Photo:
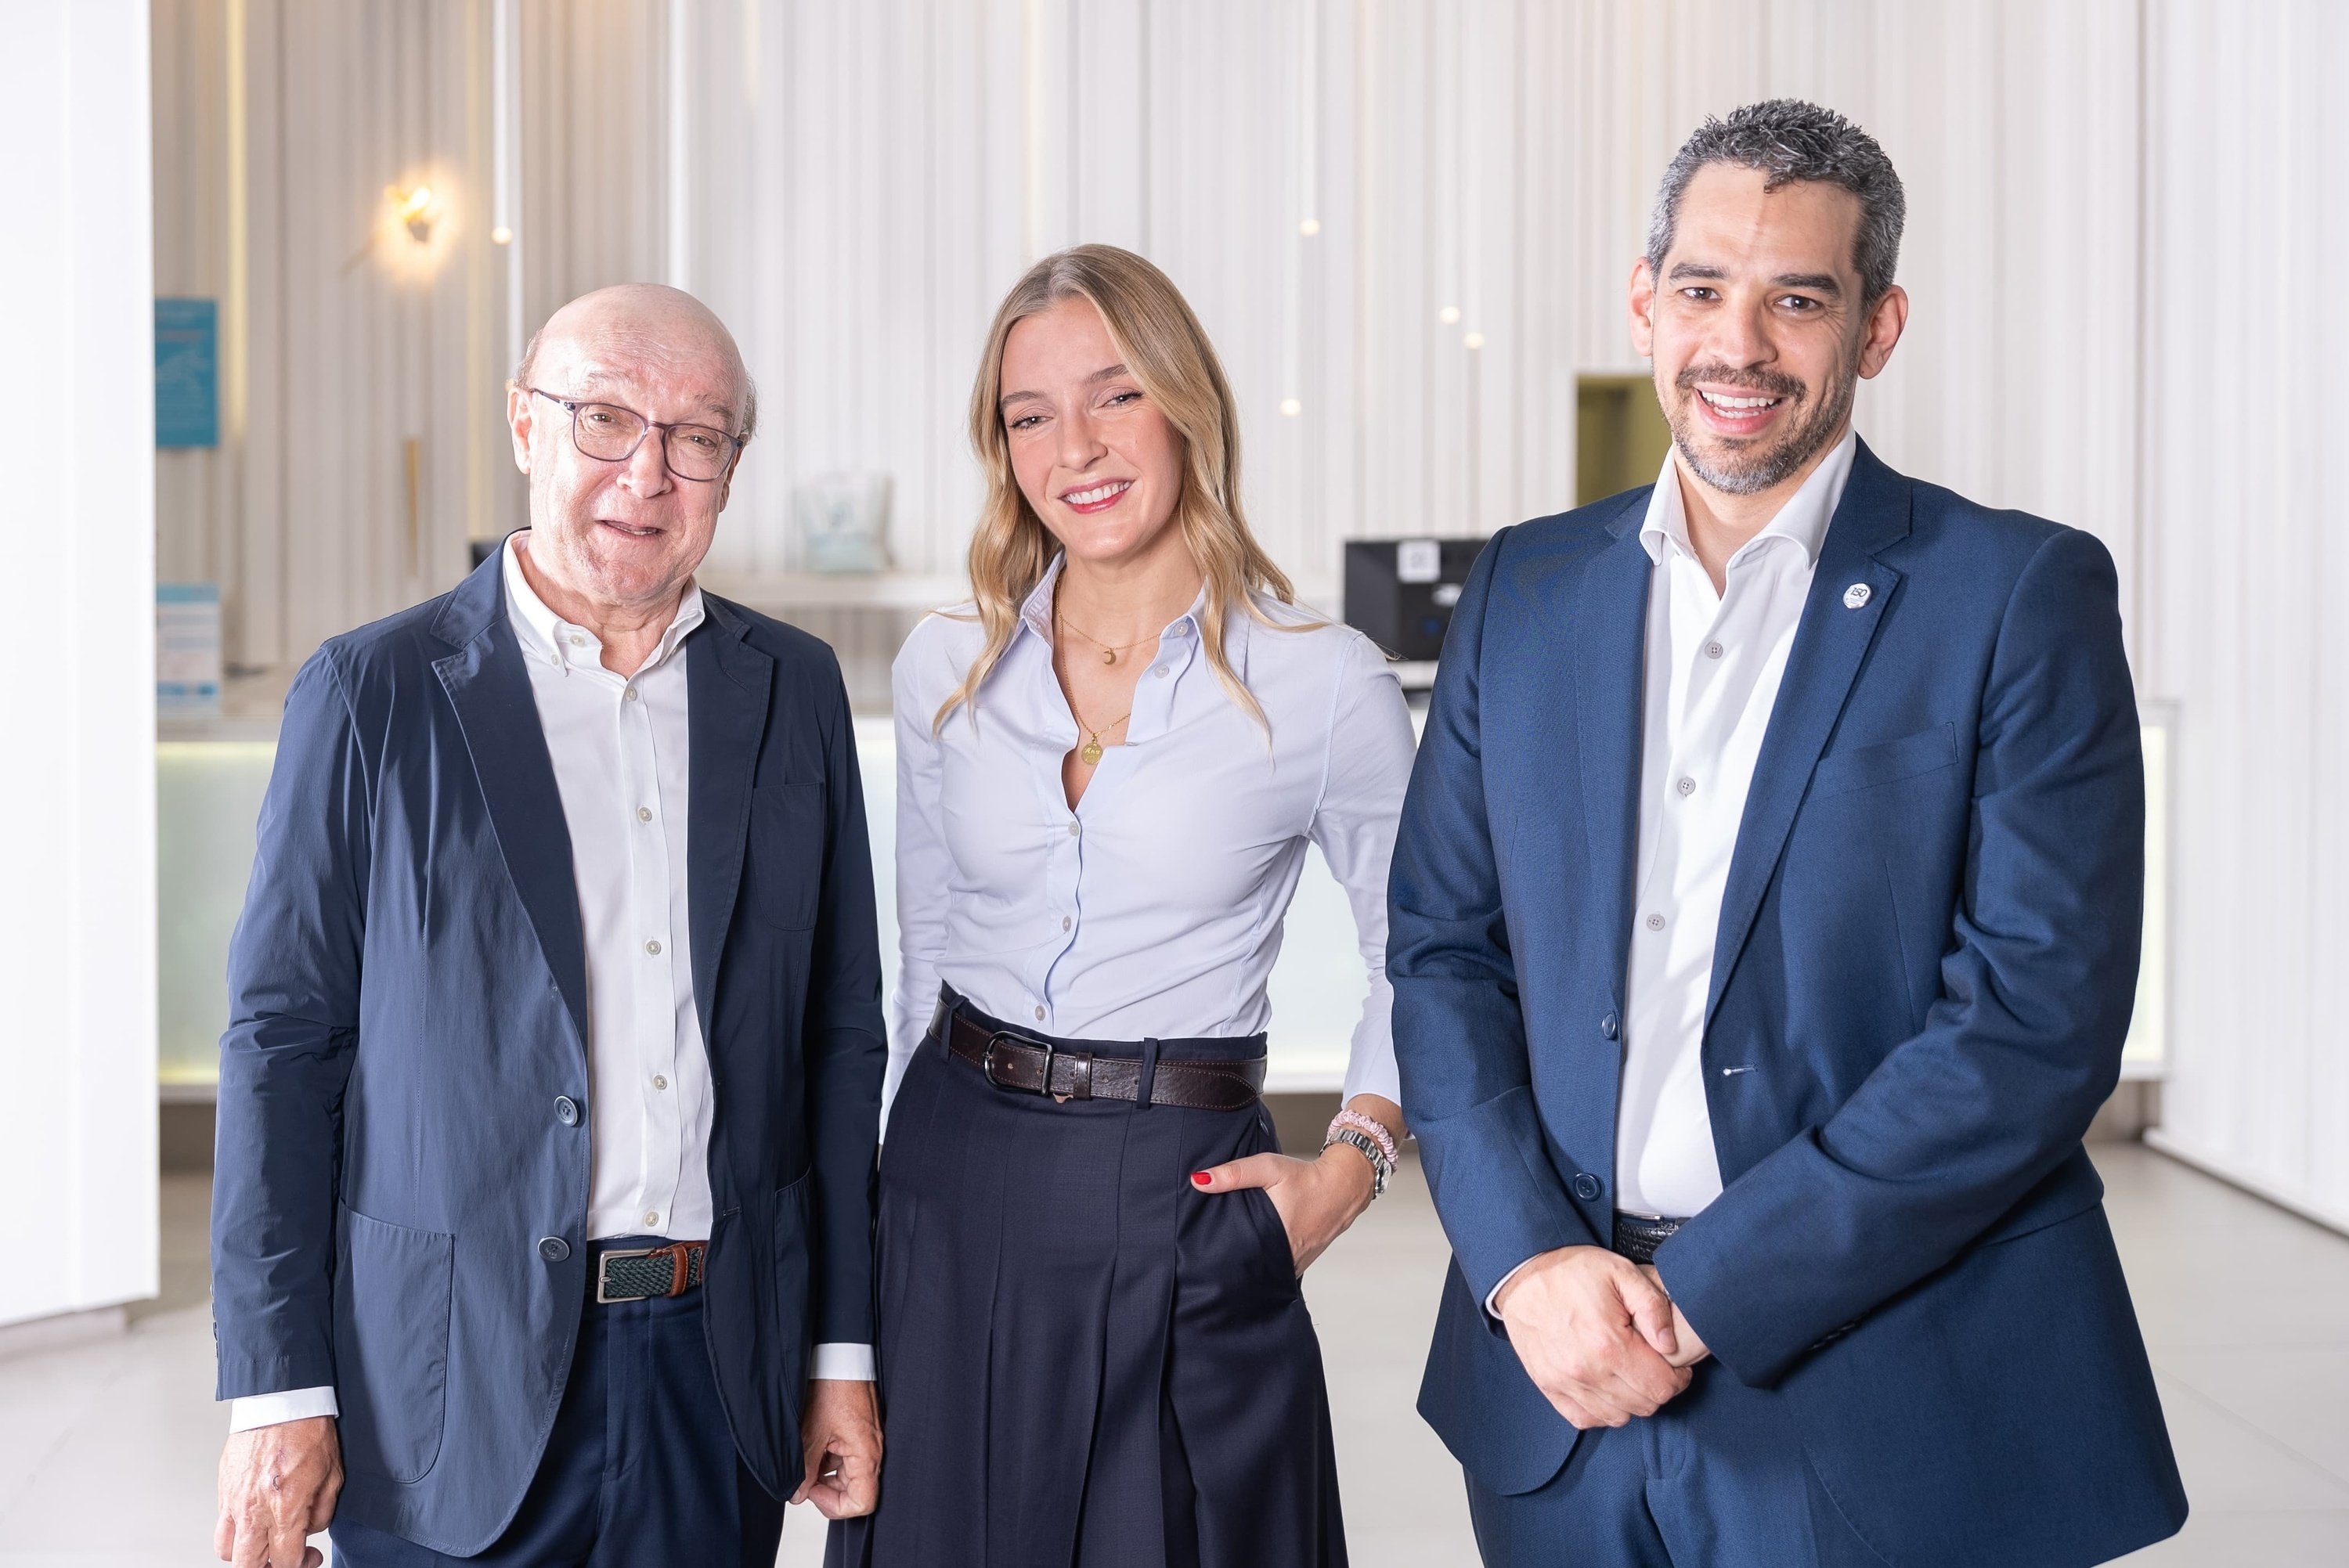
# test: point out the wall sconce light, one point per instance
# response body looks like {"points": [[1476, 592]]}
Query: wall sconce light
{"points": [[1309, 227], [414, 209], [502, 235], [1449, 315], [1473, 341], [1291, 407]]}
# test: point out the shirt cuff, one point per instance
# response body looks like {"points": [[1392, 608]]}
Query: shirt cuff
{"points": [[1492, 1311], [843, 1363], [275, 1409]]}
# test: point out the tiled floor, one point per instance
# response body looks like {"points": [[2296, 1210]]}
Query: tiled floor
{"points": [[107, 1450]]}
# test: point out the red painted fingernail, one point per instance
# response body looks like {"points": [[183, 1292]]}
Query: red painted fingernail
{"points": [[1200, 1178]]}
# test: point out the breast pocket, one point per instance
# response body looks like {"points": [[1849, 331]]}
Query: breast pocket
{"points": [[1886, 762], [784, 863]]}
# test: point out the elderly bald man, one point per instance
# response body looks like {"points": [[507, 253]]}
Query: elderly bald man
{"points": [[541, 1220]]}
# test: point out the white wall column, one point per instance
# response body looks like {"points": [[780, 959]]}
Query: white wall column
{"points": [[78, 858]]}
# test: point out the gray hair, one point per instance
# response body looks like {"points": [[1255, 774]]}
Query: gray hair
{"points": [[1791, 141]]}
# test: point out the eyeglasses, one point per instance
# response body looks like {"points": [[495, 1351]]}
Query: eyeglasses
{"points": [[611, 433]]}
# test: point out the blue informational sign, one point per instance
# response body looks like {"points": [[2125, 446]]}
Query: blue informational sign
{"points": [[187, 373]]}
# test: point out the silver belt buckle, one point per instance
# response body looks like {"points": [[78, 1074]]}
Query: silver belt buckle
{"points": [[603, 1277], [1044, 1084]]}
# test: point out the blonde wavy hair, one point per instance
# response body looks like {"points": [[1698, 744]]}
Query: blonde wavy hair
{"points": [[1166, 350]]}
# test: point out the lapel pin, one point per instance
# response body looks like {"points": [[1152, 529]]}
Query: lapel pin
{"points": [[1856, 595]]}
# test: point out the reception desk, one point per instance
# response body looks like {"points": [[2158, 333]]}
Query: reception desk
{"points": [[209, 789]]}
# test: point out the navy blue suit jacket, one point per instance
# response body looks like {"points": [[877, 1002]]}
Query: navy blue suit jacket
{"points": [[409, 1000], [1924, 973]]}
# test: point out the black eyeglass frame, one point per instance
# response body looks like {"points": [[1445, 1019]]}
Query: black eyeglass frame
{"points": [[572, 405]]}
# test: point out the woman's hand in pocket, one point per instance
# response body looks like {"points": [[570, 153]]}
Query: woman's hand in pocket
{"points": [[1316, 1199]]}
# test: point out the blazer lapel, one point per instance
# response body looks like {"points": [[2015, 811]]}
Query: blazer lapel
{"points": [[1610, 644], [727, 684], [489, 686], [1831, 642]]}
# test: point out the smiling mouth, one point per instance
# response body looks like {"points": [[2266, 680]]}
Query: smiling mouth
{"points": [[631, 529], [1098, 497], [1738, 406]]}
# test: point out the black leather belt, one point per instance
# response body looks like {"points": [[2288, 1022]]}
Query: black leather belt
{"points": [[648, 1272], [1637, 1236], [1013, 1060]]}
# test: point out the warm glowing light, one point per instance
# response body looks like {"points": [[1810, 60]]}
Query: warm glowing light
{"points": [[412, 209], [502, 235], [1473, 340], [1291, 407], [1309, 227], [1449, 315]]}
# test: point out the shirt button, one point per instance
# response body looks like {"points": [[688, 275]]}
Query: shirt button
{"points": [[1712, 650], [1655, 923], [554, 1249], [1607, 1025], [567, 1110], [1039, 1015], [1587, 1187], [630, 694], [577, 641], [1160, 672], [1686, 786], [644, 813], [1074, 830], [1064, 922], [652, 1216], [654, 946], [660, 1081]]}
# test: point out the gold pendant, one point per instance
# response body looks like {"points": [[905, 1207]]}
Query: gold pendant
{"points": [[1108, 656], [1091, 754]]}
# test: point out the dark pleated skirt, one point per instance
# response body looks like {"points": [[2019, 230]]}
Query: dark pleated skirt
{"points": [[1085, 1360]]}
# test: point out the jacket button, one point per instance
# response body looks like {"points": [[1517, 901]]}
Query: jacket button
{"points": [[1607, 1025], [554, 1249], [567, 1110], [1586, 1188]]}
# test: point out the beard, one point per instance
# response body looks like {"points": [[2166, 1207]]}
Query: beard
{"points": [[1750, 467]]}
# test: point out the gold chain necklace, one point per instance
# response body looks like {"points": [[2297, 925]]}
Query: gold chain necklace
{"points": [[1090, 754], [1109, 651]]}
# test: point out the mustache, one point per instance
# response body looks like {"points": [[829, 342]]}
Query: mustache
{"points": [[1769, 383]]}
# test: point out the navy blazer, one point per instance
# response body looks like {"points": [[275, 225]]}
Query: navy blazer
{"points": [[1923, 976], [398, 1208]]}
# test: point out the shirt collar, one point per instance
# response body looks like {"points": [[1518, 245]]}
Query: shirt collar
{"points": [[550, 639], [1803, 519]]}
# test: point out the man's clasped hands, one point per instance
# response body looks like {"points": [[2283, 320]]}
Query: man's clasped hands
{"points": [[1598, 1335]]}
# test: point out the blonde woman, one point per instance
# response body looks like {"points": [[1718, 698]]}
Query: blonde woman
{"points": [[1093, 1347]]}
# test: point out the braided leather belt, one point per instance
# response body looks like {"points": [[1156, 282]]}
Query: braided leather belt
{"points": [[1637, 1236], [1016, 1061], [650, 1272]]}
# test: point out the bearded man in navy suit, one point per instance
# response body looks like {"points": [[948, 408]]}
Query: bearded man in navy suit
{"points": [[1765, 930]]}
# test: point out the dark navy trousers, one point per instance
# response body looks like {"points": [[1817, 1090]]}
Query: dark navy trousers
{"points": [[640, 1469], [1716, 1478]]}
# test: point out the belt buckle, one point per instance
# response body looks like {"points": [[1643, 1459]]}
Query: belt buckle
{"points": [[986, 1066], [602, 1273]]}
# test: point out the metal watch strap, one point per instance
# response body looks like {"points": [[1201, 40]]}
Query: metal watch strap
{"points": [[1380, 1166]]}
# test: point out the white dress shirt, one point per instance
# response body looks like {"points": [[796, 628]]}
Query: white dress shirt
{"points": [[621, 750], [1154, 909], [1714, 663]]}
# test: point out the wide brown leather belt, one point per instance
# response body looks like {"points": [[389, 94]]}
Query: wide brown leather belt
{"points": [[1016, 1061]]}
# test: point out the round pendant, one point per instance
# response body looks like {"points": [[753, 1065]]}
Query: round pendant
{"points": [[1091, 754], [1108, 656]]}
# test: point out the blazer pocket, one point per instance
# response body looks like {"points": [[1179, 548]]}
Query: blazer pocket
{"points": [[1886, 761], [783, 862], [392, 1294]]}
